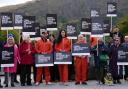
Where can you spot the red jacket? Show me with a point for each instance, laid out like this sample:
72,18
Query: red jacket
26,58
43,47
65,45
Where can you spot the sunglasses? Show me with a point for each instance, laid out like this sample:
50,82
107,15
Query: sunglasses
43,32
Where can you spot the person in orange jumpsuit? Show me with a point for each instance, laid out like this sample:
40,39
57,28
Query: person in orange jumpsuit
93,41
43,46
63,44
81,63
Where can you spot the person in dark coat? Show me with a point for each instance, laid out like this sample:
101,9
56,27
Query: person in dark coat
125,44
113,60
1,48
116,33
100,63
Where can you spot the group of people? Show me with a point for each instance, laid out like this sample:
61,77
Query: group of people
25,51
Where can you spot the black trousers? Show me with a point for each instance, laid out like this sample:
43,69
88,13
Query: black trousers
101,72
54,73
25,75
7,75
34,73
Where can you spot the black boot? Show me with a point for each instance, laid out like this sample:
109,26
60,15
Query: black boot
23,84
16,81
118,81
29,84
12,85
6,85
114,82
1,86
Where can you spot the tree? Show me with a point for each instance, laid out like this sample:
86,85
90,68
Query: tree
3,35
123,25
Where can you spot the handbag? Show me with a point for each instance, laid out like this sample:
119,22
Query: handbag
103,57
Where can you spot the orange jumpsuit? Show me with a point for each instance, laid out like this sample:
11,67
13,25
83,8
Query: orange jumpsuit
65,45
43,47
93,41
81,68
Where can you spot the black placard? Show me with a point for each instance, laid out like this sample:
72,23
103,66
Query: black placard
51,20
86,26
62,58
95,12
122,54
34,37
28,25
18,21
7,59
111,9
6,21
97,27
43,60
37,29
80,49
71,31
106,27
97,23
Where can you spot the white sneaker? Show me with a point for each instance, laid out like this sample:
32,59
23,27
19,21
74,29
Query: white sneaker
37,83
48,83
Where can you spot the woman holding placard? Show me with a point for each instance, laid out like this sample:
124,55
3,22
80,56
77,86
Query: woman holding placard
100,57
11,70
43,46
81,63
26,53
63,45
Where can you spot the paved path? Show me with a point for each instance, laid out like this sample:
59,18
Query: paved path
91,85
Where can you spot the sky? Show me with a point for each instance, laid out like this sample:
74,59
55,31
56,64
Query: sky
11,2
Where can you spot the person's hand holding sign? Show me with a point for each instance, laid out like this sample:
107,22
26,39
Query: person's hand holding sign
43,52
29,52
62,50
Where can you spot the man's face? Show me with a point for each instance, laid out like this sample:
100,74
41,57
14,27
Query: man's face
117,41
126,39
44,35
100,41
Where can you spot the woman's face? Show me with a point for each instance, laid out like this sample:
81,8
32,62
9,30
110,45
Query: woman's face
126,39
63,33
52,38
80,38
10,41
27,40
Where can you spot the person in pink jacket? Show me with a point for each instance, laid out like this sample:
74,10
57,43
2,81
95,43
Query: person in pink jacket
11,70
